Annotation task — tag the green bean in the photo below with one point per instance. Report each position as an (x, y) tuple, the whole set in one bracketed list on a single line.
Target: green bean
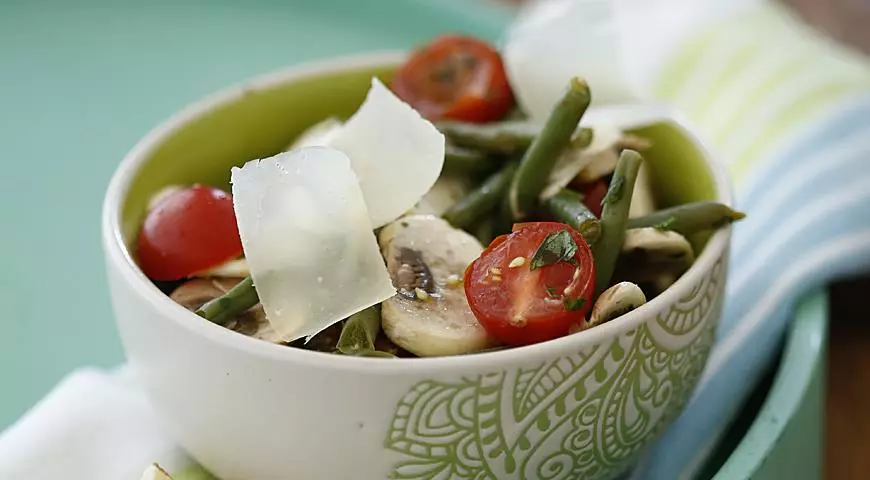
[(466, 161), (689, 218), (359, 333), (567, 207), (614, 216), (539, 159), (501, 137), (483, 199), (238, 299)]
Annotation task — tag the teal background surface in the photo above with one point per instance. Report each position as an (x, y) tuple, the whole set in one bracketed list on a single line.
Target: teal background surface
[(81, 82)]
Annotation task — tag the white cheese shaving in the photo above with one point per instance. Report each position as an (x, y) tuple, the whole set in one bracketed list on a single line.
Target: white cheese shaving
[(308, 239), (154, 472), (599, 155), (317, 135), (542, 51), (396, 154), (642, 198)]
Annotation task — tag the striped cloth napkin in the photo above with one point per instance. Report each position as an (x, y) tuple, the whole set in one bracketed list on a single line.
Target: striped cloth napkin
[(785, 108), (789, 112)]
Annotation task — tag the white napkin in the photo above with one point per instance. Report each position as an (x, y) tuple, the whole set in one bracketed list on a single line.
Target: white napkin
[(95, 425)]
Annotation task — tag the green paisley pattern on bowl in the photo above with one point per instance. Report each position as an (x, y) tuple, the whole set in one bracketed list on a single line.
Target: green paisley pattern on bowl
[(579, 416)]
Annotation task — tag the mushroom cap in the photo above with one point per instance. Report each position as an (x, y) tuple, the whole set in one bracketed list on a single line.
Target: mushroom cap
[(616, 301), (252, 322), (430, 316)]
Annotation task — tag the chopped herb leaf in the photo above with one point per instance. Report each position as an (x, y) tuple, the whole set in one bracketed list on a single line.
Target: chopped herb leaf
[(574, 304), (557, 247), (614, 192), (404, 224), (551, 291)]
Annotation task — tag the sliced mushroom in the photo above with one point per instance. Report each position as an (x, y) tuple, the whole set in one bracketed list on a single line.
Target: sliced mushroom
[(253, 323), (579, 166), (430, 316), (574, 161), (633, 142), (318, 134), (231, 268), (659, 246), (662, 281), (601, 165), (447, 191), (616, 301), (648, 253), (154, 472), (604, 163), (384, 344), (413, 274)]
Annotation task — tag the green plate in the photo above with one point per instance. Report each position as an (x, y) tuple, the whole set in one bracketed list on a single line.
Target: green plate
[(779, 433), (81, 82)]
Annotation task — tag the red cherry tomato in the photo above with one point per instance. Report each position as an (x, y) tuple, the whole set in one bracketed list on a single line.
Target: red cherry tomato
[(188, 231), (455, 77), (593, 193), (520, 306)]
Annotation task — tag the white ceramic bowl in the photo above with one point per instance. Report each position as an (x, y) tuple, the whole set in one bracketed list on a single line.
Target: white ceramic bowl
[(581, 406)]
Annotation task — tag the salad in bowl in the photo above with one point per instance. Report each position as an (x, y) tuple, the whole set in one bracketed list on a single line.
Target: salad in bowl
[(406, 271)]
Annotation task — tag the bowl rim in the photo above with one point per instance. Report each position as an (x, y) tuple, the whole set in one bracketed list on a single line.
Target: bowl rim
[(118, 256)]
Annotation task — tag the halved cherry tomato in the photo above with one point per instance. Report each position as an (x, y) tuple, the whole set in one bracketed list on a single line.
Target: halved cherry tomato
[(520, 306), (593, 193), (188, 231), (455, 77)]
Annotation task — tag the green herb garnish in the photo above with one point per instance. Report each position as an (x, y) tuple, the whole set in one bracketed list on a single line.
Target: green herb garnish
[(551, 291), (557, 247), (574, 304)]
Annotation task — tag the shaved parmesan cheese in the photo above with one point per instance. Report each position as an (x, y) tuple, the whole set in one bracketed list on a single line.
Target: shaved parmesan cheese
[(599, 155), (396, 154), (318, 135), (642, 199), (541, 54), (154, 472), (308, 240)]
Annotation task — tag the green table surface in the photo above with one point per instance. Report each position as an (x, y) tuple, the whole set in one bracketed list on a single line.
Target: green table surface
[(80, 83)]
